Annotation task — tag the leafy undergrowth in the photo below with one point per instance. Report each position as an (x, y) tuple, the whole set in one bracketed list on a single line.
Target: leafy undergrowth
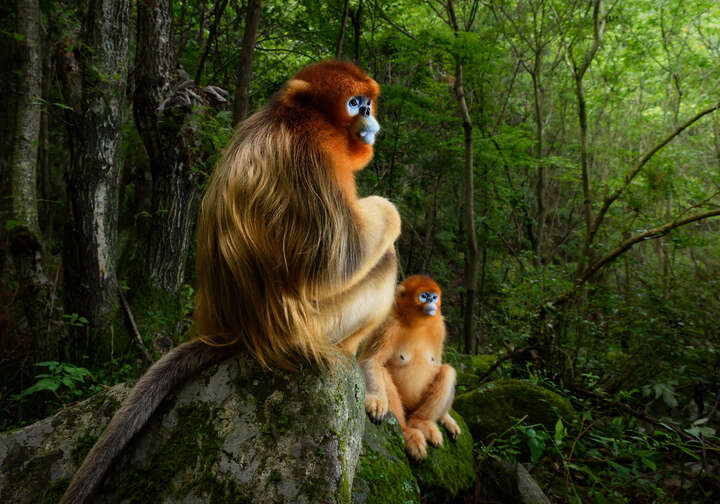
[(611, 451)]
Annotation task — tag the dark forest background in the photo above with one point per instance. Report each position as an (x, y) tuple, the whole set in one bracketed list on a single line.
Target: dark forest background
[(556, 164)]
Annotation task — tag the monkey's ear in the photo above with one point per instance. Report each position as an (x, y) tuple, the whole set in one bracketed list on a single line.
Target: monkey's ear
[(294, 89), (400, 290)]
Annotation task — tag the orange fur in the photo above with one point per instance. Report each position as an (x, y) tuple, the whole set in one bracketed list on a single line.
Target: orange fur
[(404, 371)]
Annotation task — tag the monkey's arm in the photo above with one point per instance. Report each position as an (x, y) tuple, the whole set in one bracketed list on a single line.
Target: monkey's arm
[(372, 361), (351, 311), (379, 226)]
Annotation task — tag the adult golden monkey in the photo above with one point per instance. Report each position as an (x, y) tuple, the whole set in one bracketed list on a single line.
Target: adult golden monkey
[(290, 263), (403, 367)]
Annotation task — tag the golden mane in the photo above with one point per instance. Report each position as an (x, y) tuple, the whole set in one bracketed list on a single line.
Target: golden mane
[(274, 224)]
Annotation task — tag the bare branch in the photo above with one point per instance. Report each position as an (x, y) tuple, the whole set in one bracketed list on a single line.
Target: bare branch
[(626, 245), (610, 199)]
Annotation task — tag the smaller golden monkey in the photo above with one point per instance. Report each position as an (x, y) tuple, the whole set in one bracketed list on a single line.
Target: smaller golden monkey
[(403, 367)]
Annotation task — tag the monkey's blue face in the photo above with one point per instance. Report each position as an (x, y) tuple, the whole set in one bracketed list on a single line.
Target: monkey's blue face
[(364, 125), (429, 300)]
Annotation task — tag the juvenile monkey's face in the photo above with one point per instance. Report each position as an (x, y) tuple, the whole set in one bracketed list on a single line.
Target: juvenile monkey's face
[(419, 296), (430, 302)]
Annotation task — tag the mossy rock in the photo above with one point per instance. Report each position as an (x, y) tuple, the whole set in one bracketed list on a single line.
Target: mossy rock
[(383, 474), (493, 408), (509, 482), (234, 434), (449, 471), (469, 368)]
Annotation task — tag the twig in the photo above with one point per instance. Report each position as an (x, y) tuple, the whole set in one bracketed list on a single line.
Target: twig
[(135, 331), (52, 307)]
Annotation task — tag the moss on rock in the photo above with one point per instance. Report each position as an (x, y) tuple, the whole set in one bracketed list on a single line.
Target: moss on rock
[(233, 434), (493, 408), (448, 471), (383, 474)]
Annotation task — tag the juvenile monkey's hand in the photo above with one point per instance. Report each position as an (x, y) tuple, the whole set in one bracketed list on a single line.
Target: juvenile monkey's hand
[(376, 406)]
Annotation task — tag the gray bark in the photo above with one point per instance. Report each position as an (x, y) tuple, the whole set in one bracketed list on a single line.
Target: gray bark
[(35, 310), (91, 234), (166, 108), (27, 119)]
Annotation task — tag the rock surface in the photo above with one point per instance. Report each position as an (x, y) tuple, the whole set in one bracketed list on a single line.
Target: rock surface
[(233, 434), (385, 475), (511, 482)]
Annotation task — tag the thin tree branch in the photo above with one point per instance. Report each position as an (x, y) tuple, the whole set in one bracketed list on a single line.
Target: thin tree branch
[(610, 199), (629, 243), (135, 331)]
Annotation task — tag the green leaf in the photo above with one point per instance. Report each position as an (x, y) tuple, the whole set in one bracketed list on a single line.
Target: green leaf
[(51, 384)]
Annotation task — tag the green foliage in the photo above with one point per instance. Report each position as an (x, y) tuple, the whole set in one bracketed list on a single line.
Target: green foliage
[(62, 379)]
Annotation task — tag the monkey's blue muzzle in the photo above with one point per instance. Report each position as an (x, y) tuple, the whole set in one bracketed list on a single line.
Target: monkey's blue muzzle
[(430, 309), (366, 129)]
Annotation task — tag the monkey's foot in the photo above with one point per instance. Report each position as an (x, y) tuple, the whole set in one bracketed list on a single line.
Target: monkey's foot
[(429, 429), (415, 444), (376, 406), (451, 425)]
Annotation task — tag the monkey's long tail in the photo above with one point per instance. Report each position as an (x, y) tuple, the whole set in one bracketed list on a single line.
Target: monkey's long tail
[(162, 377)]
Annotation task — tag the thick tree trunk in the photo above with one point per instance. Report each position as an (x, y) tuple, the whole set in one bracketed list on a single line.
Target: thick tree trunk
[(34, 312), (91, 234), (242, 89), (167, 127), (27, 119)]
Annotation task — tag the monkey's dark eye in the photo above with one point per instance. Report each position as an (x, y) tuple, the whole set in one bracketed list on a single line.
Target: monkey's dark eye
[(353, 102), (423, 297), (435, 297)]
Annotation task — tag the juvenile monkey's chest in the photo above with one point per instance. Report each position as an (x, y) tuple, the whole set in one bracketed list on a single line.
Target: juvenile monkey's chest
[(413, 369)]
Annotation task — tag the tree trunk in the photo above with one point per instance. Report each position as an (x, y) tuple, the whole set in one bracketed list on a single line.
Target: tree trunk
[(356, 18), (586, 256), (27, 119), (34, 313), (341, 36), (242, 90), (168, 128), (540, 187), (91, 229), (471, 264)]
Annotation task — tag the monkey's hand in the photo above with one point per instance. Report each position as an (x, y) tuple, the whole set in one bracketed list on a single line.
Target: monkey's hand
[(379, 226), (376, 406), (451, 425)]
